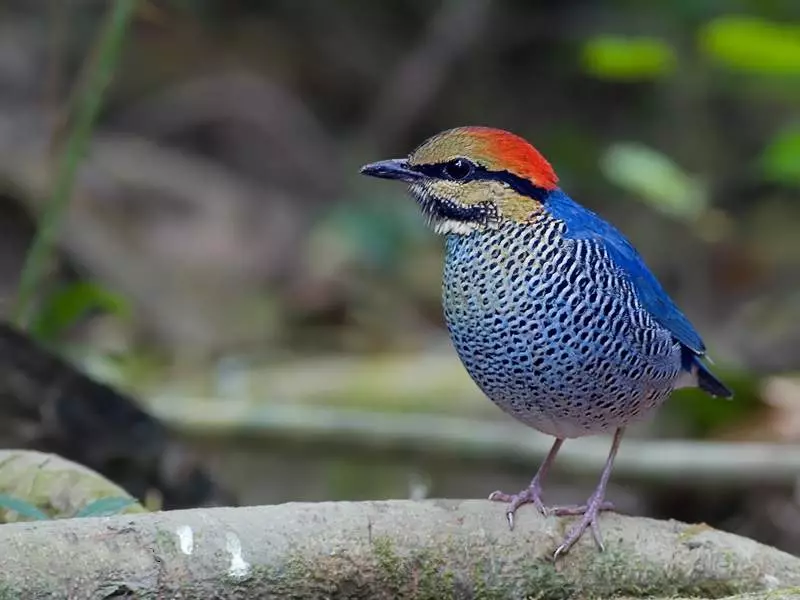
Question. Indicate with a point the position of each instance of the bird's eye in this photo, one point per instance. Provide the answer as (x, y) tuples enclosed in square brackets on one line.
[(458, 169)]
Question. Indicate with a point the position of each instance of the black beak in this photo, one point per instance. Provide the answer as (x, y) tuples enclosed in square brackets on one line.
[(396, 168)]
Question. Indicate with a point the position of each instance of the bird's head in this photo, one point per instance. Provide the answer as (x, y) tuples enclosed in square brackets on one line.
[(472, 178)]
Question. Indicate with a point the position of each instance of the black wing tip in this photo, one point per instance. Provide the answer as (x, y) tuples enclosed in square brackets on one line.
[(707, 382)]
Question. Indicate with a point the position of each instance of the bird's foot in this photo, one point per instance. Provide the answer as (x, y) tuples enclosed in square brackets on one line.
[(531, 495), (573, 510), (591, 513)]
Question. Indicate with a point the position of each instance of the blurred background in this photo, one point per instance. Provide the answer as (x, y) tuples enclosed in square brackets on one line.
[(222, 259)]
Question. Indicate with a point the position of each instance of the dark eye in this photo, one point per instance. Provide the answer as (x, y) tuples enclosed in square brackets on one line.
[(458, 169)]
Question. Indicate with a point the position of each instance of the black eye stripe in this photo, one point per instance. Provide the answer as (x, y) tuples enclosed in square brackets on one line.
[(445, 170), (518, 184)]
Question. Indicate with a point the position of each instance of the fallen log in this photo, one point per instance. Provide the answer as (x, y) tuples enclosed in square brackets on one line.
[(389, 549)]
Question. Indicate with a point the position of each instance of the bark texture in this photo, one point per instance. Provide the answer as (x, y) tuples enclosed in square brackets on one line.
[(391, 549)]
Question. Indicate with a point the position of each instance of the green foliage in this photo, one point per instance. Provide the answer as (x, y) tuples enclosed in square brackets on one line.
[(88, 107), (753, 45), (780, 161), (104, 507), (65, 306), (702, 416), (101, 507), (21, 507), (628, 59), (655, 179)]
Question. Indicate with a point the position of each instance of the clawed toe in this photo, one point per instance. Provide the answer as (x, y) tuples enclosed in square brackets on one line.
[(590, 519), (498, 496), (574, 510), (598, 539), (588, 512), (577, 531), (531, 495)]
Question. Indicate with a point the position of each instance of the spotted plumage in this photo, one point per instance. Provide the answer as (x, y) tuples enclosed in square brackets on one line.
[(551, 310), (566, 363)]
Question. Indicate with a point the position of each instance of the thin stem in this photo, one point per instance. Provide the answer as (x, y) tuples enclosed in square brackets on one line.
[(110, 43)]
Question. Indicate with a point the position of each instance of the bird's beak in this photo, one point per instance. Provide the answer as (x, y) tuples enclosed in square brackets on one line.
[(396, 168)]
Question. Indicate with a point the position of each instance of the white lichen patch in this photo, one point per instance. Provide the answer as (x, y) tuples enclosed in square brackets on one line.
[(770, 582), (239, 567), (185, 539)]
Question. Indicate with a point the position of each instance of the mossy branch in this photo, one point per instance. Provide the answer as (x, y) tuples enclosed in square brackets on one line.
[(394, 549), (58, 487)]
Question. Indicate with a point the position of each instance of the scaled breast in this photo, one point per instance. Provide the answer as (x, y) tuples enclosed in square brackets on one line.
[(551, 331)]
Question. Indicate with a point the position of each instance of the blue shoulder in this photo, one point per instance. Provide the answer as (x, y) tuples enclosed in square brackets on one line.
[(584, 224)]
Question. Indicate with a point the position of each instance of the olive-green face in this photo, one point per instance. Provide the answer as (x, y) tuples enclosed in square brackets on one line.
[(460, 185)]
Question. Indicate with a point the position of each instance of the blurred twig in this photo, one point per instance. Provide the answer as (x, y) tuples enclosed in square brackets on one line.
[(58, 17), (655, 461), (450, 33), (108, 50)]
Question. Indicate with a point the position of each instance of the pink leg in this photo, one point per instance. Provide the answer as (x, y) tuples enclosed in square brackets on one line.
[(594, 505), (533, 493)]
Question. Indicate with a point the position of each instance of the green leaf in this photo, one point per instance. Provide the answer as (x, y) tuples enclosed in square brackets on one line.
[(105, 506), (781, 158), (23, 508), (655, 179), (64, 307), (100, 67), (753, 45), (628, 59)]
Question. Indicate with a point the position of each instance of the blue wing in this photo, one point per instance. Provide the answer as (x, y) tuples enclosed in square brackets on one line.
[(584, 224)]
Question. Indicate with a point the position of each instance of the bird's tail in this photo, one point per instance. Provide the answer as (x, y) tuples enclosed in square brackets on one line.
[(708, 382), (699, 375)]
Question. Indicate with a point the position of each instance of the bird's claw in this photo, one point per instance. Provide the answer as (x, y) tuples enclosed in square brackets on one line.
[(574, 510), (590, 519), (531, 495)]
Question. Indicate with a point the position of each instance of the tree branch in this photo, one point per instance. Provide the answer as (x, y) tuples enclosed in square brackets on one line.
[(393, 549), (54, 485), (654, 461)]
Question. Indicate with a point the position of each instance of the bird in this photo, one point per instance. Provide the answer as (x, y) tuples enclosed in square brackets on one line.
[(551, 310)]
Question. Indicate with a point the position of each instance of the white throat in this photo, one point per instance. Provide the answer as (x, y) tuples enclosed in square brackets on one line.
[(449, 226)]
